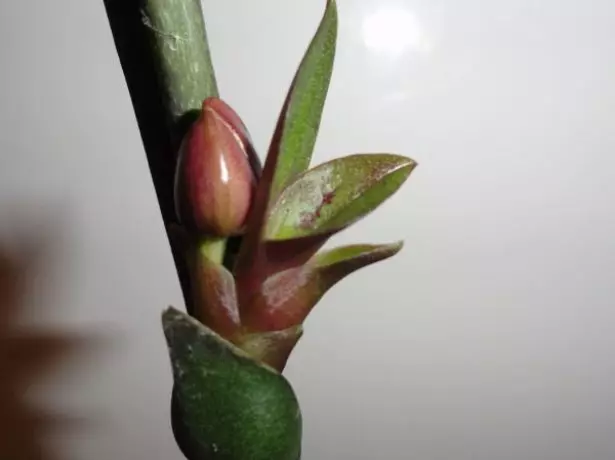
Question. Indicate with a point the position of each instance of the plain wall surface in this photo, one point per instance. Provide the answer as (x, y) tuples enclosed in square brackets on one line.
[(488, 338)]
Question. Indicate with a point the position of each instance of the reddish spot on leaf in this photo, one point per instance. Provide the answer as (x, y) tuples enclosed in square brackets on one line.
[(308, 218), (328, 197)]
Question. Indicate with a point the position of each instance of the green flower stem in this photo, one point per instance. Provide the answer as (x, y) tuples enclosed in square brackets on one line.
[(178, 38), (213, 249), (164, 53)]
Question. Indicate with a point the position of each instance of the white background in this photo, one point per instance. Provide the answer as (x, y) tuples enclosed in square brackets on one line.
[(488, 338)]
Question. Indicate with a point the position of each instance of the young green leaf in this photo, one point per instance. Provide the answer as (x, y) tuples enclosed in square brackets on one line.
[(291, 147), (344, 260), (300, 119), (287, 297), (336, 194), (231, 406)]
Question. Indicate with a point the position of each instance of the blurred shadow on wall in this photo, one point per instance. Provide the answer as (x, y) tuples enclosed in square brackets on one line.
[(31, 356)]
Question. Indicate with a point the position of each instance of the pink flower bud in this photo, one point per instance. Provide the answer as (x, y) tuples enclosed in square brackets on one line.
[(215, 177)]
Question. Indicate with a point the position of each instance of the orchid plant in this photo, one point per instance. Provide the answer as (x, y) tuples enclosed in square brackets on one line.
[(252, 237)]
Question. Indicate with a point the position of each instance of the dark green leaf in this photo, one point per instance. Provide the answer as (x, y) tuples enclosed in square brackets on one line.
[(232, 407)]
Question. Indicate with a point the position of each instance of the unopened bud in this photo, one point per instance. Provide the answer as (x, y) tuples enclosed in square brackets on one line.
[(215, 175)]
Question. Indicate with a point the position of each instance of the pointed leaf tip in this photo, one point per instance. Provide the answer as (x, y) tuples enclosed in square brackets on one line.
[(292, 144), (183, 333), (301, 115), (170, 315), (357, 254)]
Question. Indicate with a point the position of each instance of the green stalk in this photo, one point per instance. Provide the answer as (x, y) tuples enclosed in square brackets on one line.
[(176, 30), (213, 249), (164, 52), (248, 411)]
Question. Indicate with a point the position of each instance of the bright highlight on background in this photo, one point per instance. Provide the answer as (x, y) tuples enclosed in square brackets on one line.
[(392, 31)]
